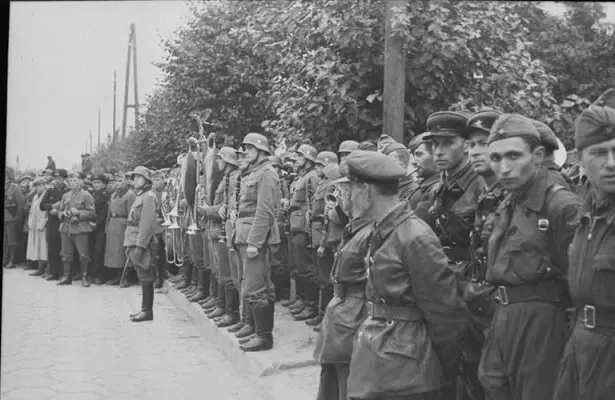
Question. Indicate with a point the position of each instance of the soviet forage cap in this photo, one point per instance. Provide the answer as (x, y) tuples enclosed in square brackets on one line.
[(326, 157), (391, 147), (370, 167), (367, 146), (417, 141), (482, 122), (512, 125), (547, 136), (596, 124), (447, 123), (383, 141)]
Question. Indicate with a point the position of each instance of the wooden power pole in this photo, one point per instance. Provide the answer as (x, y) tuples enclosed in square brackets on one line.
[(394, 75), (114, 133), (86, 150), (99, 129), (132, 49)]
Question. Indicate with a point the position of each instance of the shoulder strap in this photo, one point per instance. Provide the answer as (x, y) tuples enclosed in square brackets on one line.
[(545, 213)]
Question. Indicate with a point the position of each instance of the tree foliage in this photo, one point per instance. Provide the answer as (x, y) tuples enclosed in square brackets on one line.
[(313, 71)]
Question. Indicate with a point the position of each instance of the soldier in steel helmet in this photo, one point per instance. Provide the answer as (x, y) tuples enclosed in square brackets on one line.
[(587, 370), (346, 147), (303, 189), (527, 244), (141, 242), (256, 232)]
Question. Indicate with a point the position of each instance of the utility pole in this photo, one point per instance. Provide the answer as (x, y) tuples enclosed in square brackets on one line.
[(99, 129), (86, 150), (132, 48), (394, 75), (114, 106)]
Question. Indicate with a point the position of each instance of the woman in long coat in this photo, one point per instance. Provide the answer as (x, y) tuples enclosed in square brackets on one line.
[(37, 222), (117, 218)]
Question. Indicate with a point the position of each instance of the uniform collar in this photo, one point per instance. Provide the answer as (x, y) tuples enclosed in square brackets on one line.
[(461, 177), (592, 207), (390, 221), (429, 181), (256, 166), (533, 196)]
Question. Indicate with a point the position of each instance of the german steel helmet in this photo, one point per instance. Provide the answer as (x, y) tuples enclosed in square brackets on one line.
[(347, 146), (308, 152), (257, 140), (228, 155), (326, 157), (144, 172)]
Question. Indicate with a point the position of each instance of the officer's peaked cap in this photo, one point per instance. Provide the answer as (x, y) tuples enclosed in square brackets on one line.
[(482, 121), (512, 125), (447, 123), (596, 124), (370, 167)]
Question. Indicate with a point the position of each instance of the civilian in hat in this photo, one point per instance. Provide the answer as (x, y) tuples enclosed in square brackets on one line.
[(140, 240), (528, 241), (586, 370), (401, 155), (303, 268), (98, 236), (37, 251), (120, 204), (76, 212), (425, 170), (407, 275), (50, 203), (13, 214), (51, 165)]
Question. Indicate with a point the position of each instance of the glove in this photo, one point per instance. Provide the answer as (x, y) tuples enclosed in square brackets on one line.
[(252, 251)]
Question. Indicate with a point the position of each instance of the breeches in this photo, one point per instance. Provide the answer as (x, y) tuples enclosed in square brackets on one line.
[(146, 266), (235, 267), (256, 288), (72, 241), (221, 261), (301, 257), (195, 245)]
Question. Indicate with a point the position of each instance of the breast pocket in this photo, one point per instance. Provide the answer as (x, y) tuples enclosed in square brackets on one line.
[(249, 191), (525, 260), (603, 265), (135, 213)]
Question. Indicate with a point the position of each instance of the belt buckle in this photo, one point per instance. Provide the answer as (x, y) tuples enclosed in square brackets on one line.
[(502, 295), (589, 316)]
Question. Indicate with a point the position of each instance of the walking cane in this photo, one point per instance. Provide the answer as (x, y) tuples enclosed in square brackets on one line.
[(122, 279)]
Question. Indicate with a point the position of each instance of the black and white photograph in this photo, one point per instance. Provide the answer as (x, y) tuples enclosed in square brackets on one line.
[(309, 200)]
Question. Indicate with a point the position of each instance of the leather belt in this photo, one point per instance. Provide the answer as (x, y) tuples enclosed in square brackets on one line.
[(318, 218), (591, 317), (457, 253), (545, 291), (246, 214), (391, 312), (355, 289), (118, 216)]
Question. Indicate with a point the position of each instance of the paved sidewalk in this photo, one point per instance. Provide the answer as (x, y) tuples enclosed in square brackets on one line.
[(72, 342)]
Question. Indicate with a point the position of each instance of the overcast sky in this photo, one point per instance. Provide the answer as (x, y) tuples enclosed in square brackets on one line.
[(60, 71)]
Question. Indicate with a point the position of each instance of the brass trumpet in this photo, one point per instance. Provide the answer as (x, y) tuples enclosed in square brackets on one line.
[(333, 197)]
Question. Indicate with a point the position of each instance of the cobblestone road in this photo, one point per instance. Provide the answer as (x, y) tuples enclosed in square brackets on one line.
[(64, 343)]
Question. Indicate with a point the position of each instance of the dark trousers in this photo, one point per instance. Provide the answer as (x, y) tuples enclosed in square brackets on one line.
[(97, 249), (522, 351), (256, 287), (54, 249), (333, 382)]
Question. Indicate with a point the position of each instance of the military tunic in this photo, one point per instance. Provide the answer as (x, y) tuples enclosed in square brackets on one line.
[(527, 262), (256, 226), (13, 209), (420, 195), (302, 193), (323, 263), (233, 201), (117, 217), (407, 185), (409, 342), (75, 229), (587, 370), (53, 195), (141, 233), (98, 236)]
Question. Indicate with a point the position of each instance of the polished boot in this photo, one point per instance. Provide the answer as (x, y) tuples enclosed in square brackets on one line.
[(148, 300), (160, 273), (299, 303), (200, 294), (263, 318), (144, 302), (84, 274), (213, 294), (232, 308), (41, 269), (29, 264), (246, 339), (67, 279), (236, 327), (324, 297), (220, 309), (11, 264), (248, 327)]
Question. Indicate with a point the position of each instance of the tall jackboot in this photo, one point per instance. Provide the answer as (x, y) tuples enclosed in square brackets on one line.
[(159, 273), (299, 303), (213, 301), (232, 308), (147, 293), (11, 251), (67, 279), (187, 273), (205, 282), (248, 327), (263, 318), (84, 273), (194, 287), (201, 292), (312, 294), (41, 269), (326, 294), (219, 310)]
